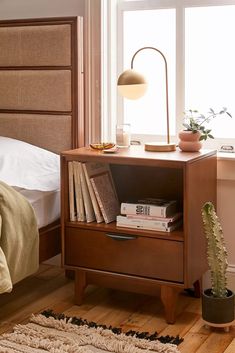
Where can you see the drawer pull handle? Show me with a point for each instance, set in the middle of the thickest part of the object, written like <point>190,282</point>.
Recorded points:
<point>121,237</point>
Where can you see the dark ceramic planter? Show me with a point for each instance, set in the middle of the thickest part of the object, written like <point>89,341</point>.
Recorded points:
<point>217,310</point>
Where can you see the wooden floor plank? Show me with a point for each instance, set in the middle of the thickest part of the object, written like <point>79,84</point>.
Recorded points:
<point>216,342</point>
<point>231,347</point>
<point>192,342</point>
<point>199,327</point>
<point>147,317</point>
<point>50,289</point>
<point>182,325</point>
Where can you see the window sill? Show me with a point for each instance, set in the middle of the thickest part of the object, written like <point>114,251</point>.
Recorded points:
<point>225,166</point>
<point>223,156</point>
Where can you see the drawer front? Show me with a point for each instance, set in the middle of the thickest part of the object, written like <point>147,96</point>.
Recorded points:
<point>139,256</point>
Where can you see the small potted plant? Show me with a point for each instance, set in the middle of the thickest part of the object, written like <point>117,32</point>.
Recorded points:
<point>217,301</point>
<point>195,131</point>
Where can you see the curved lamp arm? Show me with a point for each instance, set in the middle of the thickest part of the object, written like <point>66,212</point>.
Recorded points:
<point>133,85</point>
<point>166,87</point>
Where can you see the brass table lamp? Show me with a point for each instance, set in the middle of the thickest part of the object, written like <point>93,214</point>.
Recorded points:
<point>133,85</point>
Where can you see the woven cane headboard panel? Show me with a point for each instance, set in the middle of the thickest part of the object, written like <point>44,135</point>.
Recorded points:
<point>41,82</point>
<point>35,45</point>
<point>47,90</point>
<point>38,129</point>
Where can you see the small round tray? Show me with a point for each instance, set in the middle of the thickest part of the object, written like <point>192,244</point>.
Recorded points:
<point>102,146</point>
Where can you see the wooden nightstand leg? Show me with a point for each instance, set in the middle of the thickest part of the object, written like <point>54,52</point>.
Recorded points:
<point>169,296</point>
<point>197,288</point>
<point>69,274</point>
<point>80,285</point>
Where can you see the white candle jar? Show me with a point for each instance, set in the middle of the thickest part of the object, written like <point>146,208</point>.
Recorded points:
<point>123,135</point>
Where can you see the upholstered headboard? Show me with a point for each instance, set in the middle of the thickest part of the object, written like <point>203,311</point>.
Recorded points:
<point>41,82</point>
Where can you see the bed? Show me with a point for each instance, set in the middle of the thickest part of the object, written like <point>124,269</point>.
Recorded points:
<point>41,95</point>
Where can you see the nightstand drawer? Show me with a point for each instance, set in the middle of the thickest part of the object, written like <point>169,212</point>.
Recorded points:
<point>124,254</point>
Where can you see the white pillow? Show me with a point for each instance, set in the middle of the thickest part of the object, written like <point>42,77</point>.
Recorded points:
<point>28,166</point>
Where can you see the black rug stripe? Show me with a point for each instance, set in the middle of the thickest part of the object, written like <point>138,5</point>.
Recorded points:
<point>117,330</point>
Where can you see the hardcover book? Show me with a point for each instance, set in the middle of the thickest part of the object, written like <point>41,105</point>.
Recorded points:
<point>150,207</point>
<point>165,220</point>
<point>81,217</point>
<point>89,211</point>
<point>90,169</point>
<point>138,223</point>
<point>106,196</point>
<point>71,192</point>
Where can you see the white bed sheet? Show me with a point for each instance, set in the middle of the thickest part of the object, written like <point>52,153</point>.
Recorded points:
<point>46,204</point>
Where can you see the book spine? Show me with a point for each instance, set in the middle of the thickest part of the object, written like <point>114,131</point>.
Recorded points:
<point>143,209</point>
<point>148,225</point>
<point>143,222</point>
<point>78,193</point>
<point>144,227</point>
<point>153,218</point>
<point>98,214</point>
<point>89,211</point>
<point>71,192</point>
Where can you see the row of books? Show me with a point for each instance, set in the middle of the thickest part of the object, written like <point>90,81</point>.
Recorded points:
<point>92,194</point>
<point>150,214</point>
<point>93,198</point>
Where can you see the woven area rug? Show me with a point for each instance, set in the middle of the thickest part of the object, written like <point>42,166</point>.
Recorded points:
<point>56,333</point>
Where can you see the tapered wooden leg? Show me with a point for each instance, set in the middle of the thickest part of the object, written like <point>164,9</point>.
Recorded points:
<point>169,296</point>
<point>69,274</point>
<point>197,288</point>
<point>80,285</point>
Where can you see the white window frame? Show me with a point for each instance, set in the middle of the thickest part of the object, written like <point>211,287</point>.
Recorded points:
<point>114,103</point>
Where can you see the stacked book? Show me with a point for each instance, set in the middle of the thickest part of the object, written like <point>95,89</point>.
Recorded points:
<point>92,194</point>
<point>150,214</point>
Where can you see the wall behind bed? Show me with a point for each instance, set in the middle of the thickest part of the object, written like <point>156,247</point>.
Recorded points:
<point>90,10</point>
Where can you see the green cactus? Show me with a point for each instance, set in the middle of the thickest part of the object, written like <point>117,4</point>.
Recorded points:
<point>216,251</point>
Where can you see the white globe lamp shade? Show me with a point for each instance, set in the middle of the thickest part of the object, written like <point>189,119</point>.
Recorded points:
<point>131,84</point>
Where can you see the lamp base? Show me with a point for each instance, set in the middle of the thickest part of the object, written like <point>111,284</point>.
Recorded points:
<point>159,147</point>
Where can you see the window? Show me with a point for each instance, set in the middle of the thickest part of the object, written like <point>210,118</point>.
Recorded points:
<point>147,114</point>
<point>196,37</point>
<point>209,63</point>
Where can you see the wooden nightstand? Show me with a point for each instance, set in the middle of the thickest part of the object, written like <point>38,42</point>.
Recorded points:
<point>141,260</point>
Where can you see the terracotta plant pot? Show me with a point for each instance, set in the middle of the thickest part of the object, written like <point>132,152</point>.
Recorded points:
<point>189,141</point>
<point>217,310</point>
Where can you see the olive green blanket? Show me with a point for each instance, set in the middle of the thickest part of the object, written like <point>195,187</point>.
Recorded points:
<point>19,240</point>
